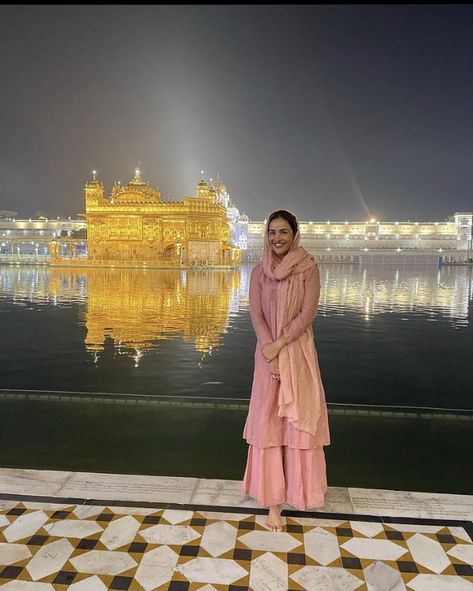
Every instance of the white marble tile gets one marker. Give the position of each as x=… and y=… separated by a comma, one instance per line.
x=86, y=511
x=463, y=552
x=337, y=500
x=375, y=549
x=25, y=525
x=212, y=570
x=7, y=505
x=268, y=573
x=315, y=521
x=169, y=534
x=49, y=559
x=461, y=534
x=120, y=532
x=218, y=538
x=411, y=504
x=132, y=510
x=326, y=578
x=225, y=516
x=321, y=545
x=225, y=493
x=367, y=528
x=207, y=588
x=125, y=487
x=3, y=521
x=439, y=583
x=89, y=584
x=269, y=541
x=73, y=528
x=26, y=586
x=32, y=482
x=382, y=577
x=175, y=516
x=46, y=506
x=101, y=562
x=11, y=553
x=428, y=553
x=156, y=568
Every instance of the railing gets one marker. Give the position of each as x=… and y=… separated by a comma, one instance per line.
x=334, y=408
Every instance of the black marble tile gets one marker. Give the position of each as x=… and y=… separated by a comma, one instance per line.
x=189, y=551
x=407, y=566
x=394, y=535
x=105, y=517
x=60, y=514
x=446, y=539
x=10, y=572
x=16, y=511
x=64, y=578
x=238, y=588
x=241, y=554
x=121, y=583
x=246, y=525
x=178, y=586
x=295, y=558
x=37, y=540
x=294, y=529
x=87, y=544
x=349, y=562
x=344, y=531
x=138, y=547
x=154, y=519
x=198, y=521
x=464, y=570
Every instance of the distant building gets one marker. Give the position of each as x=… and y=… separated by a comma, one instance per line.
x=134, y=225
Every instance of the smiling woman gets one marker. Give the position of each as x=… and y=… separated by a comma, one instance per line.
x=287, y=424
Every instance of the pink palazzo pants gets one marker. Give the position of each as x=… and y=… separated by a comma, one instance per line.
x=276, y=475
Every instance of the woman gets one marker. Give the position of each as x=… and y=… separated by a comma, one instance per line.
x=287, y=423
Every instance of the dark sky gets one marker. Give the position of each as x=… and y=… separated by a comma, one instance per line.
x=332, y=111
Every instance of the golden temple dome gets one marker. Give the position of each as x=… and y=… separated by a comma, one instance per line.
x=220, y=186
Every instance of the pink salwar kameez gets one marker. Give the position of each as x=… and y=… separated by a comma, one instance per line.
x=287, y=423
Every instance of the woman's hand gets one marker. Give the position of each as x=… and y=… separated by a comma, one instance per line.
x=271, y=350
x=274, y=368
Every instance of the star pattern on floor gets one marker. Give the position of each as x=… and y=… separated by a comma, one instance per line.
x=54, y=547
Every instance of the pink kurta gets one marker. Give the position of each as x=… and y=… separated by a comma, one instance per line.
x=264, y=428
x=284, y=463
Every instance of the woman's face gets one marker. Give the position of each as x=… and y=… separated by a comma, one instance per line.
x=280, y=236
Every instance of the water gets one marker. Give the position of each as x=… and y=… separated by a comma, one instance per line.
x=386, y=336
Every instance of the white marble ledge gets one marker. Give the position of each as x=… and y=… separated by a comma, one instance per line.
x=223, y=493
x=422, y=505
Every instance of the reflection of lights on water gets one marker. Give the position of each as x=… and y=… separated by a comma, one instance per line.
x=137, y=357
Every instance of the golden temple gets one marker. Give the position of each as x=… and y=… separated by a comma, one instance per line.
x=135, y=227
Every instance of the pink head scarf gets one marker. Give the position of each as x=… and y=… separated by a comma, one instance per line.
x=296, y=260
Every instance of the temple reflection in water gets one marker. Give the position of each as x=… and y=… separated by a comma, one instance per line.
x=137, y=309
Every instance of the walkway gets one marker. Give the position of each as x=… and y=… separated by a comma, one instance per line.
x=93, y=532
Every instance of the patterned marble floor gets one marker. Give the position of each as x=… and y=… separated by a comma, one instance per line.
x=46, y=546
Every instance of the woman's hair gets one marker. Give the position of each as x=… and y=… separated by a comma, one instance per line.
x=285, y=215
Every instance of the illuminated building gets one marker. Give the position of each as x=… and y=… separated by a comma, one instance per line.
x=135, y=226
x=332, y=239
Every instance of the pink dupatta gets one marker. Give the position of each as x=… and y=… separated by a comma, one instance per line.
x=301, y=393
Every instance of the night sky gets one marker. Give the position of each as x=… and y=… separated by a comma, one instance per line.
x=335, y=112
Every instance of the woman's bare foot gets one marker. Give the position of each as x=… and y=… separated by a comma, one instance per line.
x=274, y=522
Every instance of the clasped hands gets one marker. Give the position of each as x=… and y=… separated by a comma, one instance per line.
x=271, y=352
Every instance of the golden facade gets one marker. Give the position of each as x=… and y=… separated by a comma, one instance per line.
x=135, y=226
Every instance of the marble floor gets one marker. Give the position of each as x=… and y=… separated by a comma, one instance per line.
x=92, y=532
